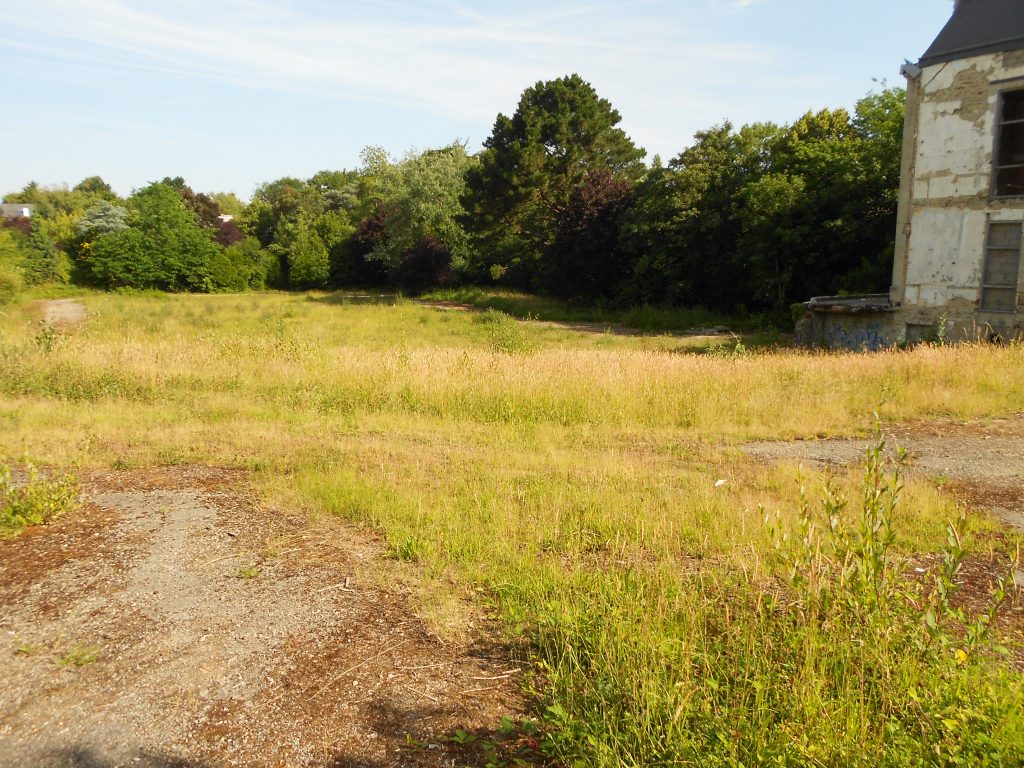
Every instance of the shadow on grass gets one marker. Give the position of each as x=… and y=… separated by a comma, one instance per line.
x=356, y=298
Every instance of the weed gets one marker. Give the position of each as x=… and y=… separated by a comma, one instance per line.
x=409, y=548
x=79, y=656
x=247, y=572
x=36, y=501
x=845, y=662
x=733, y=349
x=514, y=743
x=46, y=338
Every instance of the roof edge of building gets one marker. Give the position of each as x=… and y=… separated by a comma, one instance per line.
x=1003, y=46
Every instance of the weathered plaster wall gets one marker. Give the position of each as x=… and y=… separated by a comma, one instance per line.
x=946, y=199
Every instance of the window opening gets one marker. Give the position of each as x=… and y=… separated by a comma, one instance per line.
x=1010, y=155
x=1002, y=267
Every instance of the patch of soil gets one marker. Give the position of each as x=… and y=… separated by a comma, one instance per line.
x=60, y=312
x=173, y=621
x=981, y=462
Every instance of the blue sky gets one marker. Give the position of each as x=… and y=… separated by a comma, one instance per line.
x=231, y=93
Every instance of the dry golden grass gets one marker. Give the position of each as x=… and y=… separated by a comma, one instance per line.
x=506, y=464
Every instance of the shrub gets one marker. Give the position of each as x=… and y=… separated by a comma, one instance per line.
x=504, y=333
x=36, y=501
x=10, y=283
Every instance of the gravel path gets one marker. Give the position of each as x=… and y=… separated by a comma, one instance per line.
x=175, y=622
x=984, y=461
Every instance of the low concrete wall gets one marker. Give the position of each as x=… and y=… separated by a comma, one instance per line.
x=856, y=332
x=874, y=331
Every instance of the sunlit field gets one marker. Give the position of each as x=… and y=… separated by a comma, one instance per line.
x=584, y=496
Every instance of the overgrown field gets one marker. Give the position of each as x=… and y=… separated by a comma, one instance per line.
x=585, y=494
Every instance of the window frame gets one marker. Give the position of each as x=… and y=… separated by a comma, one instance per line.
x=997, y=148
x=989, y=248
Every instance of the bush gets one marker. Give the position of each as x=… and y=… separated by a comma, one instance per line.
x=240, y=267
x=505, y=333
x=10, y=283
x=35, y=502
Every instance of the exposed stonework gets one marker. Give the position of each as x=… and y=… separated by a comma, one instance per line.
x=969, y=91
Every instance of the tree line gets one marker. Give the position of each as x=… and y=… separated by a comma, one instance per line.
x=559, y=201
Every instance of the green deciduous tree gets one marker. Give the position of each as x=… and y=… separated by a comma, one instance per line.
x=44, y=262
x=766, y=216
x=229, y=203
x=420, y=201
x=308, y=261
x=10, y=266
x=95, y=188
x=163, y=248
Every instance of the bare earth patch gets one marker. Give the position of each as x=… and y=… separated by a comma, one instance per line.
x=982, y=463
x=61, y=312
x=173, y=621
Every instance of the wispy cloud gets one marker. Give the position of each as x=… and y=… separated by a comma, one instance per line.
x=447, y=57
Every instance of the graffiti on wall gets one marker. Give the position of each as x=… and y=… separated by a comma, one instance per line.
x=868, y=337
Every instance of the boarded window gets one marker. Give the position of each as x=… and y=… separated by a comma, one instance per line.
x=1002, y=267
x=1010, y=146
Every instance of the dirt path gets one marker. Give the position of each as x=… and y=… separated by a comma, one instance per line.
x=173, y=622
x=62, y=311
x=981, y=462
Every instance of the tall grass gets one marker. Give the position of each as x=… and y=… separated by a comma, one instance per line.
x=585, y=490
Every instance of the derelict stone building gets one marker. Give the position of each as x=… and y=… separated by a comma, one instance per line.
x=960, y=229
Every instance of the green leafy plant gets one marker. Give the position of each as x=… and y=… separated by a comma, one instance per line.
x=919, y=660
x=733, y=349
x=79, y=656
x=504, y=333
x=36, y=501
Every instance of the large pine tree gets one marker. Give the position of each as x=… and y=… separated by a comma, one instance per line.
x=531, y=166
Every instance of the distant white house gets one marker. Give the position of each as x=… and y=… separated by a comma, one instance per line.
x=16, y=210
x=960, y=226
x=226, y=217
